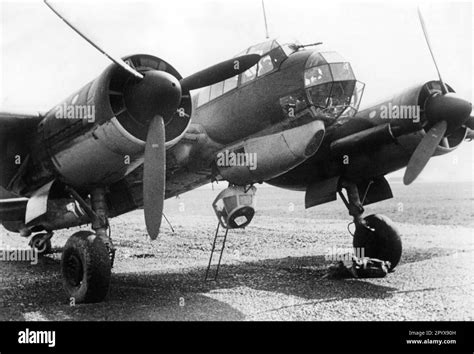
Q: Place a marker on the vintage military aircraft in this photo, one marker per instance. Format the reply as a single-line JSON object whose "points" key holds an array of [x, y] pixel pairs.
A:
{"points": [[134, 136]]}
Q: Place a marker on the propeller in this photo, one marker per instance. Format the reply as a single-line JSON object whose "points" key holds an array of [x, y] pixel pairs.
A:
{"points": [[424, 151], [444, 113], [117, 61], [216, 72], [444, 89], [154, 175], [153, 97]]}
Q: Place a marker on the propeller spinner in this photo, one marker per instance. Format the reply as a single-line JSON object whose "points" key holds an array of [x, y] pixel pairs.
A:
{"points": [[152, 96]]}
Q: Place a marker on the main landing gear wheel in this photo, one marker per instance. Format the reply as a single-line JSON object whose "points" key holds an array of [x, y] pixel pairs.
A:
{"points": [[41, 243], [379, 238], [86, 267]]}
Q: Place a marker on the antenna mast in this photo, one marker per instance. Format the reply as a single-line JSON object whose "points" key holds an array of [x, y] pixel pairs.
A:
{"points": [[265, 19]]}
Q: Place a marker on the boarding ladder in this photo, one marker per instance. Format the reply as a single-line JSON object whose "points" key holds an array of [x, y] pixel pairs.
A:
{"points": [[213, 268]]}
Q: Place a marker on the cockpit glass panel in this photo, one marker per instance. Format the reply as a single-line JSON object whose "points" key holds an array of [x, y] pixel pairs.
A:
{"points": [[317, 75], [287, 49], [357, 96], [266, 47], [349, 112], [333, 99], [278, 56], [203, 96], [230, 83], [342, 72], [341, 93], [319, 95], [216, 90], [315, 60], [265, 65], [333, 57], [333, 111], [261, 48], [249, 75], [331, 85]]}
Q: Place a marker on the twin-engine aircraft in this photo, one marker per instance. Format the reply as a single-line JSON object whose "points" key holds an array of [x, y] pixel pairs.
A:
{"points": [[135, 136]]}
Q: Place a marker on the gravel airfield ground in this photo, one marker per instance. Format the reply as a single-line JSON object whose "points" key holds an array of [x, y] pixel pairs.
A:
{"points": [[275, 269]]}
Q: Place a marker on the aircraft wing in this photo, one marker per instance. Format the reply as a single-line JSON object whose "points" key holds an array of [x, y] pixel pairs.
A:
{"points": [[14, 130], [11, 206], [12, 209], [18, 121]]}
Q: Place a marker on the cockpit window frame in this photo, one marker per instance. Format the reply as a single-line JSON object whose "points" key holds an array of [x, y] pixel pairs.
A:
{"points": [[277, 56], [337, 74], [333, 57], [340, 75]]}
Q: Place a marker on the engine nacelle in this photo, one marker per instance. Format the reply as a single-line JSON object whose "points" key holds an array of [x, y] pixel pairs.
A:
{"points": [[94, 127], [401, 117], [265, 157]]}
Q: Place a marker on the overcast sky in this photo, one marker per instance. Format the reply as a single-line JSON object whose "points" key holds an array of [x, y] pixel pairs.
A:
{"points": [[43, 62]]}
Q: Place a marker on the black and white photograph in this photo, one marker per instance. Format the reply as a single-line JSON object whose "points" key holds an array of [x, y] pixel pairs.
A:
{"points": [[264, 161]]}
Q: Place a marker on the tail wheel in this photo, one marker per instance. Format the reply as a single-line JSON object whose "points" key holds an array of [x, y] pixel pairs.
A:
{"points": [[86, 267], [41, 245], [380, 240]]}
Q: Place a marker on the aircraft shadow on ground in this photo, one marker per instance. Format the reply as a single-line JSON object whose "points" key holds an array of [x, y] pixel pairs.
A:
{"points": [[184, 295]]}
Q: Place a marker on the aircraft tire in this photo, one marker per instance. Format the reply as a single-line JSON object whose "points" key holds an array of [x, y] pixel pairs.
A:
{"points": [[382, 241], [44, 249], [86, 268]]}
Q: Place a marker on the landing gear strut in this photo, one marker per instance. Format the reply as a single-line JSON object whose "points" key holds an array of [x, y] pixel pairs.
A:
{"points": [[88, 256], [41, 243], [375, 234]]}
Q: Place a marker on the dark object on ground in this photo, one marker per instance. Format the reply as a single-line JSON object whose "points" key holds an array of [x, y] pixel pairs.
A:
{"points": [[360, 268]]}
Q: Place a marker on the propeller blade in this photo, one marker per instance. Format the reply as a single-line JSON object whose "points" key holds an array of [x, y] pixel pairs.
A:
{"points": [[424, 151], [219, 72], [117, 61], [154, 176], [445, 143], [427, 39]]}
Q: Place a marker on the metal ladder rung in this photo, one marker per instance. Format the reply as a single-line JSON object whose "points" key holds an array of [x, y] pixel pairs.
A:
{"points": [[214, 250]]}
